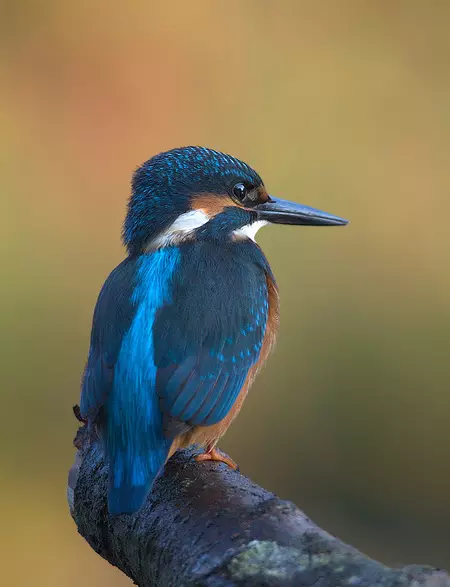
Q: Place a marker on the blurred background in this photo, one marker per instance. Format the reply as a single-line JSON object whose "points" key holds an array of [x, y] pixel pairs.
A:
{"points": [[343, 106]]}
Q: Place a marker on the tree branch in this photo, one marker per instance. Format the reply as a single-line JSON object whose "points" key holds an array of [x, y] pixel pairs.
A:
{"points": [[207, 525]]}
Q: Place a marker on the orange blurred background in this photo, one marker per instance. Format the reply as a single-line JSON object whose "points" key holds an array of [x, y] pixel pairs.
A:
{"points": [[343, 106]]}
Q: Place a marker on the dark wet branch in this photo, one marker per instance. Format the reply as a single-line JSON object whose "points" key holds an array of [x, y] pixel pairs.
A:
{"points": [[207, 525]]}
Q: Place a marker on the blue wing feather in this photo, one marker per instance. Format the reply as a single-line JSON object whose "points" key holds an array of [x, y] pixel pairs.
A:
{"points": [[113, 316], [206, 401]]}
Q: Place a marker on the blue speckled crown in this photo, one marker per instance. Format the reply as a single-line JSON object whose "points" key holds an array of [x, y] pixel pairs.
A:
{"points": [[163, 186]]}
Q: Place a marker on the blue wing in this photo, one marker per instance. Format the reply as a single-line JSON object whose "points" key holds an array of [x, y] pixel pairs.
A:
{"points": [[113, 316], [210, 336]]}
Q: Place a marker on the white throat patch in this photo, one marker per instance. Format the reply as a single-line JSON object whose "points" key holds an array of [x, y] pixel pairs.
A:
{"points": [[249, 230], [178, 230]]}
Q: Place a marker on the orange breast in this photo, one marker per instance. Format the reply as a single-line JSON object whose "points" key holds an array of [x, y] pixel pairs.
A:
{"points": [[210, 435]]}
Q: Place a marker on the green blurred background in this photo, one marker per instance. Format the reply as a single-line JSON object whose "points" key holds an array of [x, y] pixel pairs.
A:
{"points": [[340, 105]]}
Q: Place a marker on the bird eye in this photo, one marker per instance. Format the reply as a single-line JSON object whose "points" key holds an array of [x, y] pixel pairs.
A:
{"points": [[240, 191]]}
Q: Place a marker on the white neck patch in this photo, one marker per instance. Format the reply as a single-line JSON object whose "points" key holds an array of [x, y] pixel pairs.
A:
{"points": [[249, 230], [185, 224], [180, 228]]}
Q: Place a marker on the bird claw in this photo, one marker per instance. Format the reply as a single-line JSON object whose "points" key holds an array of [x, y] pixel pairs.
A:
{"points": [[214, 454], [78, 416], [86, 433]]}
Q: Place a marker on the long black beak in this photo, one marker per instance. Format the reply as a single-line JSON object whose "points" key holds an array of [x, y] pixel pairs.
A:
{"points": [[280, 211]]}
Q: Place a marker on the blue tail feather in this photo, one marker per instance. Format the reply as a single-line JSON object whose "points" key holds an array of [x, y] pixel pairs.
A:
{"points": [[135, 447], [126, 499], [131, 478]]}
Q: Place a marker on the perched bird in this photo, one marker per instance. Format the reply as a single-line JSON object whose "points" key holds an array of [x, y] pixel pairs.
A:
{"points": [[184, 323]]}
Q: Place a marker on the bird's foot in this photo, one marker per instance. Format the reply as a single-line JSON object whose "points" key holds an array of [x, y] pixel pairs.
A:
{"points": [[214, 454]]}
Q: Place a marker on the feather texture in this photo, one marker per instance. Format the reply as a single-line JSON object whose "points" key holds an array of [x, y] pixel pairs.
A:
{"points": [[130, 421], [175, 334], [184, 323], [212, 334]]}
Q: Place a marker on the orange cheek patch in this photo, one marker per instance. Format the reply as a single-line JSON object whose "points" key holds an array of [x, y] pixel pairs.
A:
{"points": [[211, 204], [263, 196]]}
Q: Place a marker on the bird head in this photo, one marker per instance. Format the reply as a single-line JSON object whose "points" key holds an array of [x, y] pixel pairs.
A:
{"points": [[196, 193]]}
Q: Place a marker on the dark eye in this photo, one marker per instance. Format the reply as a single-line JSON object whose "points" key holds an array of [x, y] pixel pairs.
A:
{"points": [[240, 191]]}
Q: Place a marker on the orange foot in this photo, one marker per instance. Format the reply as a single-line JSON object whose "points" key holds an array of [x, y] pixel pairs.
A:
{"points": [[213, 454]]}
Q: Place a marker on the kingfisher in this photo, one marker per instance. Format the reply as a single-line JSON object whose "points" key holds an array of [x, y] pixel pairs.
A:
{"points": [[183, 325]]}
